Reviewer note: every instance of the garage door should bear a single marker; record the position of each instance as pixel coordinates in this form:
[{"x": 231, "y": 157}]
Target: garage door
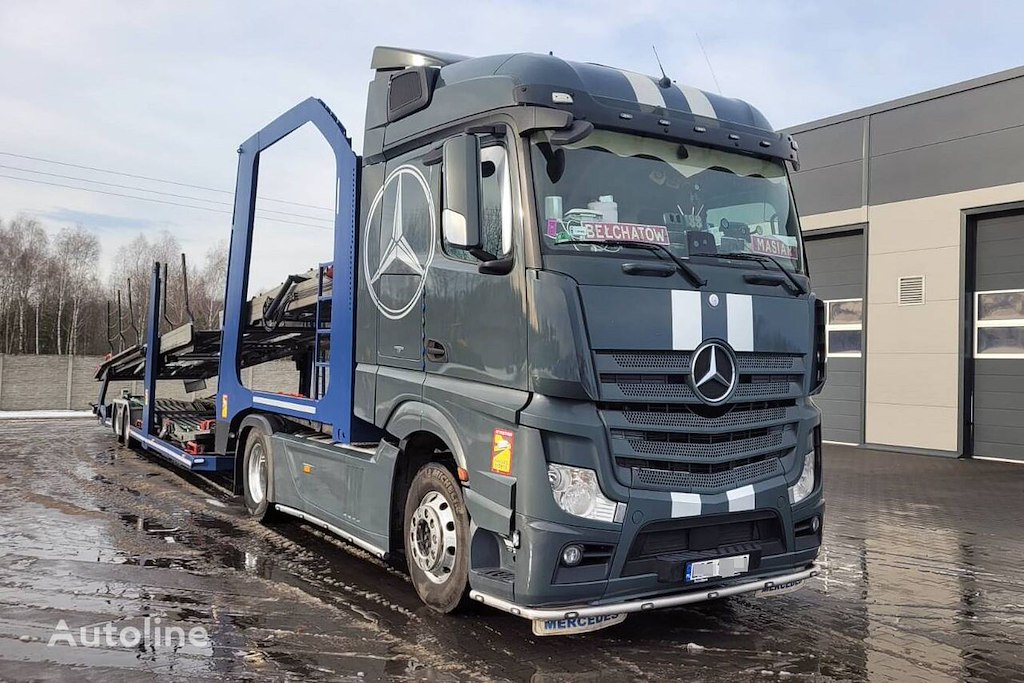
[
  {"x": 998, "y": 405},
  {"x": 837, "y": 277}
]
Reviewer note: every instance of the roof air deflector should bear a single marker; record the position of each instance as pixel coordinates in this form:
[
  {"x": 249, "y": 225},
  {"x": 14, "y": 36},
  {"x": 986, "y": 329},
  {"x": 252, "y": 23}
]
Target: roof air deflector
[{"x": 390, "y": 58}]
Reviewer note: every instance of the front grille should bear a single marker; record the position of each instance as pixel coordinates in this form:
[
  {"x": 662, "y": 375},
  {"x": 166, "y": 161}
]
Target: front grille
[
  {"x": 687, "y": 419},
  {"x": 703, "y": 446},
  {"x": 661, "y": 387},
  {"x": 653, "y": 359},
  {"x": 749, "y": 363},
  {"x": 663, "y": 437},
  {"x": 646, "y": 475}
]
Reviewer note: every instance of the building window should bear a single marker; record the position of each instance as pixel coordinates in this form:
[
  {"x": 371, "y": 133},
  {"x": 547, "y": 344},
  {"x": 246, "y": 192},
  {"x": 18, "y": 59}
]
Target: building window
[
  {"x": 844, "y": 328},
  {"x": 999, "y": 324}
]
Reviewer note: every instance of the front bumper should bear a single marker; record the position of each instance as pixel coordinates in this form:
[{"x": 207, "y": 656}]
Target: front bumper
[{"x": 629, "y": 606}]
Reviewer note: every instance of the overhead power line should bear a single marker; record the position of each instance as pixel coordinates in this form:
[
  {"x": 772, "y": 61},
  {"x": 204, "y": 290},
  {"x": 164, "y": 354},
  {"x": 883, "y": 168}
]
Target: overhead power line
[
  {"x": 164, "y": 194},
  {"x": 155, "y": 201},
  {"x": 152, "y": 179}
]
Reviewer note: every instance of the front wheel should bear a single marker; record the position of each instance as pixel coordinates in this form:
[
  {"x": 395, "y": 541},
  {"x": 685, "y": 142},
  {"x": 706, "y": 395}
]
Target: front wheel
[
  {"x": 256, "y": 466},
  {"x": 436, "y": 531}
]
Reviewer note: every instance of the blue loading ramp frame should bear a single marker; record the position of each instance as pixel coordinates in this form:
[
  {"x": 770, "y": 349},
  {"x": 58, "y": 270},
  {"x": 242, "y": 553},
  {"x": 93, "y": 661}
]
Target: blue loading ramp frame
[{"x": 335, "y": 407}]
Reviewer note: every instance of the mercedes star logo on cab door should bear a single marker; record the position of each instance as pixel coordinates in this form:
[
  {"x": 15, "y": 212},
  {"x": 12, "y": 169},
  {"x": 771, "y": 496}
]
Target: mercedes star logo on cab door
[
  {"x": 713, "y": 374},
  {"x": 398, "y": 255}
]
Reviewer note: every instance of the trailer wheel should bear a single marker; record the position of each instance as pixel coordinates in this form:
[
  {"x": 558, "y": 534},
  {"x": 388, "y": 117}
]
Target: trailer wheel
[
  {"x": 125, "y": 437},
  {"x": 436, "y": 532},
  {"x": 115, "y": 421},
  {"x": 256, "y": 466}
]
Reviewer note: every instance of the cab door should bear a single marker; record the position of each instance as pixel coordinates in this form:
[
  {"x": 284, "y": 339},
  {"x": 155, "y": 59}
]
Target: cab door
[{"x": 474, "y": 327}]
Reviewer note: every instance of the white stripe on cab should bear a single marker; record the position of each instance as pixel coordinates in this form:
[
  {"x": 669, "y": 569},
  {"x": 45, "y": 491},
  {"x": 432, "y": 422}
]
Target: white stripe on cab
[
  {"x": 687, "y": 330},
  {"x": 740, "y": 321}
]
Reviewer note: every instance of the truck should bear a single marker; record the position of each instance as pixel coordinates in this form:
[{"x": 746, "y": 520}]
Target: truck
[{"x": 559, "y": 358}]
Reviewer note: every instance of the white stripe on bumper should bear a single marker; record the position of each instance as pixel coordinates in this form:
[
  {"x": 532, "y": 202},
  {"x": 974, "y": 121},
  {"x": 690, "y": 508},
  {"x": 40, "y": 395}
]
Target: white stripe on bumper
[
  {"x": 741, "y": 499},
  {"x": 685, "y": 504}
]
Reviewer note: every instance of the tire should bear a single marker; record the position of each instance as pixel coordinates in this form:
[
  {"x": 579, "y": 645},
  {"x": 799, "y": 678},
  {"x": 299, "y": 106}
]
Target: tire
[
  {"x": 256, "y": 467},
  {"x": 115, "y": 421},
  {"x": 436, "y": 532},
  {"x": 125, "y": 436}
]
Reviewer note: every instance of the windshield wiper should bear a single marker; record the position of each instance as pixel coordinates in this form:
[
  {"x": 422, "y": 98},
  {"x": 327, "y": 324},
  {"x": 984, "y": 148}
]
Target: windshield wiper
[
  {"x": 763, "y": 259},
  {"x": 685, "y": 269}
]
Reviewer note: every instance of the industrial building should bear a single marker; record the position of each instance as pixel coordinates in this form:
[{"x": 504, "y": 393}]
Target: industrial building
[{"x": 913, "y": 215}]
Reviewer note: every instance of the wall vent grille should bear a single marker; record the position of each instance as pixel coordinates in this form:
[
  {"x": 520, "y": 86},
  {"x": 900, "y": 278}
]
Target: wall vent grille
[{"x": 911, "y": 290}]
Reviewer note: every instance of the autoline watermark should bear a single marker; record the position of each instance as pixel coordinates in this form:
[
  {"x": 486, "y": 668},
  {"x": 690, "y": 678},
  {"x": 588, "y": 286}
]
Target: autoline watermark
[{"x": 110, "y": 635}]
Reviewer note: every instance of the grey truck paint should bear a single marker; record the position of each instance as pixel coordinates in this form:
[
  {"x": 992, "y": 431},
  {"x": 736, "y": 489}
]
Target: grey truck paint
[{"x": 553, "y": 350}]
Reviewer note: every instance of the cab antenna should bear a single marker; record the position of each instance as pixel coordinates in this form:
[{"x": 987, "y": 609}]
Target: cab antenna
[{"x": 664, "y": 81}]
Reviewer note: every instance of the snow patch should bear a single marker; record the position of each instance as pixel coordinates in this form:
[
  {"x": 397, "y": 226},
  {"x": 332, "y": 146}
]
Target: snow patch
[{"x": 42, "y": 414}]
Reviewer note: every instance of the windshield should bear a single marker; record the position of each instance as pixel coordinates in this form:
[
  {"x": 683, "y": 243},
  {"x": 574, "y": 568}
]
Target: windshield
[{"x": 693, "y": 200}]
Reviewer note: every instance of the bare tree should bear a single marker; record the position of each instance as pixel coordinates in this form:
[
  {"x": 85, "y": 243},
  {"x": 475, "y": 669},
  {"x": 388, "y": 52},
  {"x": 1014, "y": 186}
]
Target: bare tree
[
  {"x": 210, "y": 285},
  {"x": 77, "y": 255},
  {"x": 51, "y": 300},
  {"x": 135, "y": 261},
  {"x": 22, "y": 264}
]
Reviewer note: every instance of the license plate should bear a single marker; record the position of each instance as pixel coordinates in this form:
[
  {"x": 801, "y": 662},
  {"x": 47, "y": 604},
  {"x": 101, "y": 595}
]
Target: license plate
[
  {"x": 780, "y": 589},
  {"x": 564, "y": 627},
  {"x": 718, "y": 568}
]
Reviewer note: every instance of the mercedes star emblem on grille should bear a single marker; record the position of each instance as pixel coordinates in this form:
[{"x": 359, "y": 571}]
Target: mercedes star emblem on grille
[{"x": 713, "y": 374}]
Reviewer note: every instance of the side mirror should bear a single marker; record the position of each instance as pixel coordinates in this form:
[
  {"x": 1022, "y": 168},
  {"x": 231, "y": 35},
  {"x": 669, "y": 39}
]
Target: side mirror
[{"x": 460, "y": 220}]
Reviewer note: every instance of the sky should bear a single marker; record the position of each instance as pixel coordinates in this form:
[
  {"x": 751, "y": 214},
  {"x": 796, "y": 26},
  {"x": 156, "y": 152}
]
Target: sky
[{"x": 166, "y": 90}]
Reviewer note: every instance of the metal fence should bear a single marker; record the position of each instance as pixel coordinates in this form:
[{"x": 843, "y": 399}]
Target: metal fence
[{"x": 30, "y": 382}]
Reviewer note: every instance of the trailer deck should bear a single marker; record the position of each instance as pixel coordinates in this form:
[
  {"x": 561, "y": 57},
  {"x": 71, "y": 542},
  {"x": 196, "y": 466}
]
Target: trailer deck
[{"x": 286, "y": 321}]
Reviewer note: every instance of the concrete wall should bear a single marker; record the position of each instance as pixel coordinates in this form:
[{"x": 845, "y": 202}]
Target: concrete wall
[
  {"x": 29, "y": 382},
  {"x": 909, "y": 169}
]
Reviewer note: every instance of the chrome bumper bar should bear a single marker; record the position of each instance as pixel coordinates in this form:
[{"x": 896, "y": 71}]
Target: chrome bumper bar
[{"x": 675, "y": 600}]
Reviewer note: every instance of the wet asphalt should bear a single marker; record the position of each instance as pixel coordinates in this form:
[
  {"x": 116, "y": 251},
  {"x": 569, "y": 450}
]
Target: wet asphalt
[{"x": 922, "y": 580}]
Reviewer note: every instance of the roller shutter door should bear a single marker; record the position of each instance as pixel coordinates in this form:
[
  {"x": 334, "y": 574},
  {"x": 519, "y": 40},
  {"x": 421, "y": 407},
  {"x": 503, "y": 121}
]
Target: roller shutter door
[
  {"x": 998, "y": 341},
  {"x": 837, "y": 277}
]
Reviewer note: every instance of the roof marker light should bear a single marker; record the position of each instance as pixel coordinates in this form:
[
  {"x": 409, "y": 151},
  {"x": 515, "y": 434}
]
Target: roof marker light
[{"x": 561, "y": 98}]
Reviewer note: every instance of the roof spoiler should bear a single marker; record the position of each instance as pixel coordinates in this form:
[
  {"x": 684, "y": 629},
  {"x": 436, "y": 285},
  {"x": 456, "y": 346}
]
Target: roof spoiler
[{"x": 393, "y": 58}]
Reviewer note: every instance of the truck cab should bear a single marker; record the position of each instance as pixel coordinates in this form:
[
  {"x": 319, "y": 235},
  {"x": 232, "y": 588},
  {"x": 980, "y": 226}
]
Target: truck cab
[{"x": 587, "y": 288}]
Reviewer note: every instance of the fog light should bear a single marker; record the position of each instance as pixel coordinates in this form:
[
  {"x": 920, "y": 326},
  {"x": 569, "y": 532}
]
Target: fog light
[
  {"x": 572, "y": 555},
  {"x": 815, "y": 524}
]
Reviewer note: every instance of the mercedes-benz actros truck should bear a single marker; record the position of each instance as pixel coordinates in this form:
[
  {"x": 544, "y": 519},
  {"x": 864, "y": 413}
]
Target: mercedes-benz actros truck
[{"x": 558, "y": 359}]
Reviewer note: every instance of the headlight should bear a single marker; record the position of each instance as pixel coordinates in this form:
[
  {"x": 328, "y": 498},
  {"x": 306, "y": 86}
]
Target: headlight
[
  {"x": 805, "y": 484},
  {"x": 577, "y": 492}
]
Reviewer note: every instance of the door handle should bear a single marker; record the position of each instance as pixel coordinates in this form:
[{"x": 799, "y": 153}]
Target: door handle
[{"x": 436, "y": 351}]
